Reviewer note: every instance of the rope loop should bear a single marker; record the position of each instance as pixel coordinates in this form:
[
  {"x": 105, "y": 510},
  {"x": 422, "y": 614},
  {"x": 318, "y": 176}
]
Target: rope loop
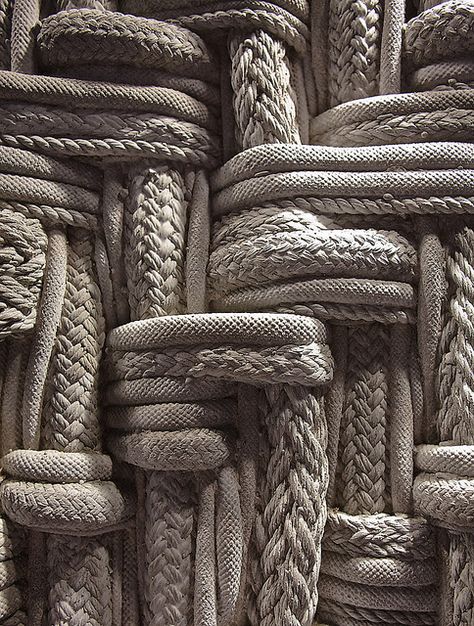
[
  {"x": 22, "y": 262},
  {"x": 444, "y": 490},
  {"x": 78, "y": 508}
]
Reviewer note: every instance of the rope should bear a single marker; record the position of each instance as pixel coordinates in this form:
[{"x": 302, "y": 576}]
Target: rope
[
  {"x": 189, "y": 315},
  {"x": 354, "y": 31},
  {"x": 263, "y": 100}
]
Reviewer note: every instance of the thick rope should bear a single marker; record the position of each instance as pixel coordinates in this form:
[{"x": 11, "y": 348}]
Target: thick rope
[
  {"x": 156, "y": 220},
  {"x": 363, "y": 438},
  {"x": 354, "y": 32},
  {"x": 263, "y": 96}
]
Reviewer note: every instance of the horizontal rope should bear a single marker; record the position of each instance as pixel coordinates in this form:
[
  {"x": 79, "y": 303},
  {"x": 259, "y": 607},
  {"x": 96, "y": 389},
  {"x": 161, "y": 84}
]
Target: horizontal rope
[
  {"x": 446, "y": 458},
  {"x": 279, "y": 158},
  {"x": 446, "y": 500},
  {"x": 380, "y": 571},
  {"x": 67, "y": 92},
  {"x": 195, "y": 329},
  {"x": 309, "y": 364},
  {"x": 82, "y": 509},
  {"x": 85, "y": 35},
  {"x": 57, "y": 467},
  {"x": 184, "y": 450},
  {"x": 379, "y": 535}
]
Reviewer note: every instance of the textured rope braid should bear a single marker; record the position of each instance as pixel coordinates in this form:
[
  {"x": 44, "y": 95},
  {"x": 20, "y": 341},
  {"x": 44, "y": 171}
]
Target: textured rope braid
[
  {"x": 23, "y": 246},
  {"x": 363, "y": 437},
  {"x": 156, "y": 220},
  {"x": 354, "y": 32},
  {"x": 454, "y": 421},
  {"x": 236, "y": 312},
  {"x": 203, "y": 449},
  {"x": 70, "y": 417},
  {"x": 156, "y": 226},
  {"x": 456, "y": 385},
  {"x": 292, "y": 512},
  {"x": 263, "y": 101}
]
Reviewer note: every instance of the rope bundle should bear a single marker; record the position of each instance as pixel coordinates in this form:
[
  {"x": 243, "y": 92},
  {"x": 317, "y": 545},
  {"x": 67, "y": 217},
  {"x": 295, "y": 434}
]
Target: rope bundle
[{"x": 236, "y": 342}]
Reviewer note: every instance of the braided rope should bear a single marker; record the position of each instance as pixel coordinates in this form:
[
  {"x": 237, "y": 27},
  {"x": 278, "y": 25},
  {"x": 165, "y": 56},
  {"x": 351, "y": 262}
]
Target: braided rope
[
  {"x": 156, "y": 221},
  {"x": 139, "y": 42},
  {"x": 22, "y": 259},
  {"x": 312, "y": 232},
  {"x": 263, "y": 100},
  {"x": 455, "y": 381},
  {"x": 70, "y": 416},
  {"x": 154, "y": 258},
  {"x": 78, "y": 587},
  {"x": 291, "y": 514},
  {"x": 354, "y": 32},
  {"x": 363, "y": 437}
]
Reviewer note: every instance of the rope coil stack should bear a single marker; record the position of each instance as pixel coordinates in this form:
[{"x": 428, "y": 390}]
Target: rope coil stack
[{"x": 236, "y": 304}]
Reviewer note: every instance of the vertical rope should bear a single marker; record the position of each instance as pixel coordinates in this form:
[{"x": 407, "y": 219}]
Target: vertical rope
[
  {"x": 24, "y": 20},
  {"x": 155, "y": 254},
  {"x": 263, "y": 100},
  {"x": 48, "y": 318},
  {"x": 79, "y": 568},
  {"x": 455, "y": 420},
  {"x": 391, "y": 48},
  {"x": 5, "y": 33},
  {"x": 292, "y": 508},
  {"x": 355, "y": 29},
  {"x": 363, "y": 439},
  {"x": 156, "y": 222}
]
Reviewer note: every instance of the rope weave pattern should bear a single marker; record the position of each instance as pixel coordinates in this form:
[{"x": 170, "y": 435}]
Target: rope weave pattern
[{"x": 236, "y": 336}]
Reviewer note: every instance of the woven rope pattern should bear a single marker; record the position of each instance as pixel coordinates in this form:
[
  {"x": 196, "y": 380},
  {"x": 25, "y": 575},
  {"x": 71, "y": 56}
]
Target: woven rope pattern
[{"x": 236, "y": 313}]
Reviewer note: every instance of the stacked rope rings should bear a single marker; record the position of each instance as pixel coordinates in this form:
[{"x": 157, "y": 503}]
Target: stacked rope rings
[
  {"x": 63, "y": 492},
  {"x": 438, "y": 47},
  {"x": 405, "y": 118},
  {"x": 444, "y": 490},
  {"x": 187, "y": 428},
  {"x": 322, "y": 199},
  {"x": 286, "y": 19},
  {"x": 114, "y": 121},
  {"x": 380, "y": 562}
]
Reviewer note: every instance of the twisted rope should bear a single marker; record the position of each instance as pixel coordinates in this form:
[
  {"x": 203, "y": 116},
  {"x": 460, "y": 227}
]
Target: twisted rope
[
  {"x": 354, "y": 32},
  {"x": 263, "y": 99},
  {"x": 22, "y": 258},
  {"x": 292, "y": 510}
]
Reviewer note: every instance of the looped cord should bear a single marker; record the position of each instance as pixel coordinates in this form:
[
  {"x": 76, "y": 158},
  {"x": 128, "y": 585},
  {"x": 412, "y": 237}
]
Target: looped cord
[
  {"x": 283, "y": 19},
  {"x": 161, "y": 442}
]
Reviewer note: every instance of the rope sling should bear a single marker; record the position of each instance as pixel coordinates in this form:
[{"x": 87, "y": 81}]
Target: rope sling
[{"x": 236, "y": 313}]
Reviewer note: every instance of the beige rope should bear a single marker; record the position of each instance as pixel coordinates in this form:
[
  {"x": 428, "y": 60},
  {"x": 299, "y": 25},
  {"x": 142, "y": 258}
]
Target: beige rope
[{"x": 222, "y": 422}]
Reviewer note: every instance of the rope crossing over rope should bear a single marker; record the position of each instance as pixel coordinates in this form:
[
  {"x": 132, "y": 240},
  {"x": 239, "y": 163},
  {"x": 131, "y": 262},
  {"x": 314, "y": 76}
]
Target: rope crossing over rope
[{"x": 236, "y": 312}]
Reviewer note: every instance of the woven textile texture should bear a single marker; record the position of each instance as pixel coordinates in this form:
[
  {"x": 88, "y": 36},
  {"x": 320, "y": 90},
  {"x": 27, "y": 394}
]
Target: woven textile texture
[{"x": 236, "y": 313}]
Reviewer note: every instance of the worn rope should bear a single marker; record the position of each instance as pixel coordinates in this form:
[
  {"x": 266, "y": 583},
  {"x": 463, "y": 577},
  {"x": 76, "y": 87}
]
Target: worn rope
[{"x": 244, "y": 482}]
